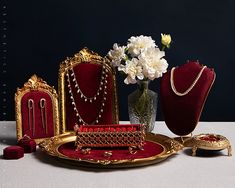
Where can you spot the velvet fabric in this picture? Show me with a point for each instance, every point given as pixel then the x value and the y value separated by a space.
pixel 39 131
pixel 182 113
pixel 110 128
pixel 13 152
pixel 88 76
pixel 150 149
pixel 28 144
pixel 210 138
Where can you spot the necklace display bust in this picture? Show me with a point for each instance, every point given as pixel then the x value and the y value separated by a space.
pixel 184 91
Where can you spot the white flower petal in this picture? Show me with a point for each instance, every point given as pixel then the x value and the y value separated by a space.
pixel 137 44
pixel 117 55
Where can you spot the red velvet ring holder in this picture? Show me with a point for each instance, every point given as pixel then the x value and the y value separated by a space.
pixel 182 113
pixel 13 152
pixel 28 144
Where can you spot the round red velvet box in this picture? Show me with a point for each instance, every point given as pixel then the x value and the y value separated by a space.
pixel 29 145
pixel 13 152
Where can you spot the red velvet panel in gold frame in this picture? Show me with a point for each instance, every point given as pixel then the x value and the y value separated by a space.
pixel 36 106
pixel 82 97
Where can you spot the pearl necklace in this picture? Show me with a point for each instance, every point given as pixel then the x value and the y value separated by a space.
pixel 190 88
pixel 102 86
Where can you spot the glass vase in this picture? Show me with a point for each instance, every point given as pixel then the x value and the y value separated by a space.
pixel 142 106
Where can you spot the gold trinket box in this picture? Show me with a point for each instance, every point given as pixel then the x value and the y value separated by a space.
pixel 210 142
pixel 110 135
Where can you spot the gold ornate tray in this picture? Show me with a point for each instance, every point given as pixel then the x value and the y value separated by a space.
pixel 62 147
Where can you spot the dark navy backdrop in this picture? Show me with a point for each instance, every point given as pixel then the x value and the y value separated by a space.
pixel 41 33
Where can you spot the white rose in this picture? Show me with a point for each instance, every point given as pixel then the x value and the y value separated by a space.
pixel 154 65
pixel 137 44
pixel 166 40
pixel 117 54
pixel 133 70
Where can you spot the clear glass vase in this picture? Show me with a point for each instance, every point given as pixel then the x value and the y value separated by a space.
pixel 142 106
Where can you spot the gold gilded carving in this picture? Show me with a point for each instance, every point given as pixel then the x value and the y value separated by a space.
pixel 210 142
pixel 84 56
pixel 38 84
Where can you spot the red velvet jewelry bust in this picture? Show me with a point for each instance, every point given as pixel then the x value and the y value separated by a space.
pixel 182 113
pixel 87 88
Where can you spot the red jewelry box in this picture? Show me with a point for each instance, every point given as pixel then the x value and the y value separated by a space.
pixel 13 152
pixel 109 135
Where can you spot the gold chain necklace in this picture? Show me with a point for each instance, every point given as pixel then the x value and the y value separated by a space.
pixel 190 88
pixel 102 86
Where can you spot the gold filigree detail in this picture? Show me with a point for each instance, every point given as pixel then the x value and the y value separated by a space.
pixel 175 146
pixel 84 56
pixel 219 143
pixel 110 139
pixel 35 83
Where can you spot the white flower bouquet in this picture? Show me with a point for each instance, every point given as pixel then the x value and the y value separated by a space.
pixel 141 58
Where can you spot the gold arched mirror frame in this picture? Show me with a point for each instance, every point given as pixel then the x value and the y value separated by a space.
pixel 33 86
pixel 84 56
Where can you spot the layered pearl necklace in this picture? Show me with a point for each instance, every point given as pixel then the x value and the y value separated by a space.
pixel 102 86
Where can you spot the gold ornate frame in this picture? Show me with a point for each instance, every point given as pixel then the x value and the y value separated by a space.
pixel 35 83
pixel 83 56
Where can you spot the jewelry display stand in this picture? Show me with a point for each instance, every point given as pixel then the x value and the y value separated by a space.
pixel 184 91
pixel 87 91
pixel 183 94
pixel 36 110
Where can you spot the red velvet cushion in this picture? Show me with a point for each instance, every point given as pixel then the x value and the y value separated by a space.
pixel 28 144
pixel 13 152
pixel 110 128
pixel 182 113
pixel 39 131
pixel 88 78
pixel 150 149
pixel 210 138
